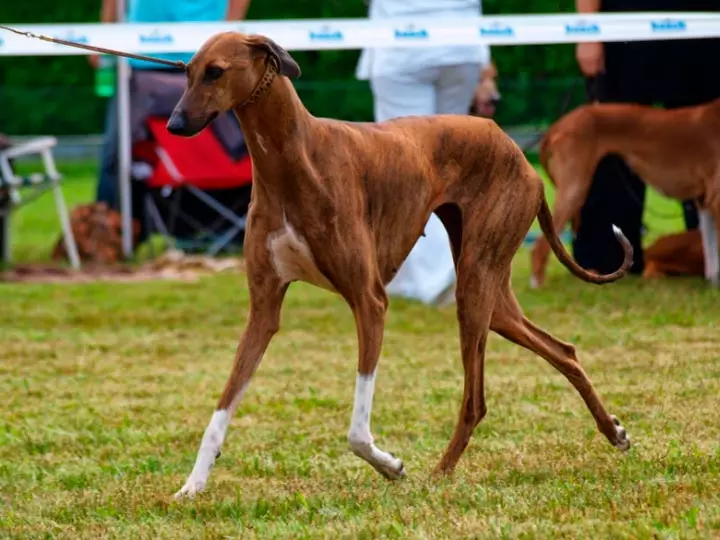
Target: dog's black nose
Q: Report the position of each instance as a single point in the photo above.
(178, 123)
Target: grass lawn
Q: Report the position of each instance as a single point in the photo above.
(107, 388)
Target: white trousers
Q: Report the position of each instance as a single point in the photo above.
(429, 270)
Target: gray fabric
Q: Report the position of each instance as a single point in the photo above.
(154, 93)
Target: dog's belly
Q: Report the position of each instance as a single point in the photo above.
(669, 179)
(293, 260)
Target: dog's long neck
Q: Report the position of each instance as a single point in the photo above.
(272, 124)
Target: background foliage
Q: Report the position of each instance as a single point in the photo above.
(56, 94)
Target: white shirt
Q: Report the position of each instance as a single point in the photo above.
(391, 61)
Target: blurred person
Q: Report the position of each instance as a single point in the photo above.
(152, 11)
(424, 81)
(673, 73)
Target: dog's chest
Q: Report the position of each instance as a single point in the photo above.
(292, 258)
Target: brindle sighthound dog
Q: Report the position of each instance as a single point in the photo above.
(340, 205)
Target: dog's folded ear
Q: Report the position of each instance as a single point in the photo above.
(286, 65)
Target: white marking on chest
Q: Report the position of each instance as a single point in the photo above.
(292, 258)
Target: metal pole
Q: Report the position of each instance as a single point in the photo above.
(124, 143)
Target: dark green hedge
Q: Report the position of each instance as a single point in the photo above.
(56, 94)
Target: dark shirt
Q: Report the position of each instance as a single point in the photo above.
(660, 5)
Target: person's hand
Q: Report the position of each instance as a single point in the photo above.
(591, 58)
(94, 61)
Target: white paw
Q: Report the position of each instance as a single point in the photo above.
(534, 282)
(393, 469)
(622, 440)
(385, 463)
(191, 488)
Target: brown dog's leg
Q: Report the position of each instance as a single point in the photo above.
(509, 321)
(571, 171)
(369, 308)
(709, 231)
(266, 297)
(475, 297)
(567, 204)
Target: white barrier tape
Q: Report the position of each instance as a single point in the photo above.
(362, 33)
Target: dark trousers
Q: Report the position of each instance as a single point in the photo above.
(668, 73)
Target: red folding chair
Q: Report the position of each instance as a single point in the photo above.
(198, 166)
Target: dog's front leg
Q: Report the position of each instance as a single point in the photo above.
(263, 322)
(370, 320)
(709, 234)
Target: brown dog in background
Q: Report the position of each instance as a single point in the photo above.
(677, 152)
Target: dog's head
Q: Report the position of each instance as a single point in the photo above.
(487, 96)
(223, 74)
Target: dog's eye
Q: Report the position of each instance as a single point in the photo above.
(213, 73)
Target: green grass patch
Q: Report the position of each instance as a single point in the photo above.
(107, 388)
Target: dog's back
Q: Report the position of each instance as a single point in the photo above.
(399, 171)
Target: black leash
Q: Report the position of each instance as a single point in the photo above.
(176, 63)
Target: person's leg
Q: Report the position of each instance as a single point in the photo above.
(107, 187)
(617, 195)
(455, 88)
(691, 81)
(428, 269)
(406, 94)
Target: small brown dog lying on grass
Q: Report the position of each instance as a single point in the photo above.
(678, 254)
(677, 152)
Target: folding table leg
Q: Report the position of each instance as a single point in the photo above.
(51, 171)
(69, 237)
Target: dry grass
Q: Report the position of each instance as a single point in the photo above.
(107, 388)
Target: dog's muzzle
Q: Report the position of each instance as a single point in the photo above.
(181, 124)
(178, 123)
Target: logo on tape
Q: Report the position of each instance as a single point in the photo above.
(582, 28)
(410, 32)
(326, 33)
(668, 25)
(74, 38)
(156, 37)
(497, 29)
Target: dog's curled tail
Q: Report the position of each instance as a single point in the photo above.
(548, 229)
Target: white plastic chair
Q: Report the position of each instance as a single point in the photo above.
(11, 184)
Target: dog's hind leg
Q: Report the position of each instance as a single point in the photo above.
(508, 321)
(475, 298)
(369, 308)
(266, 297)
